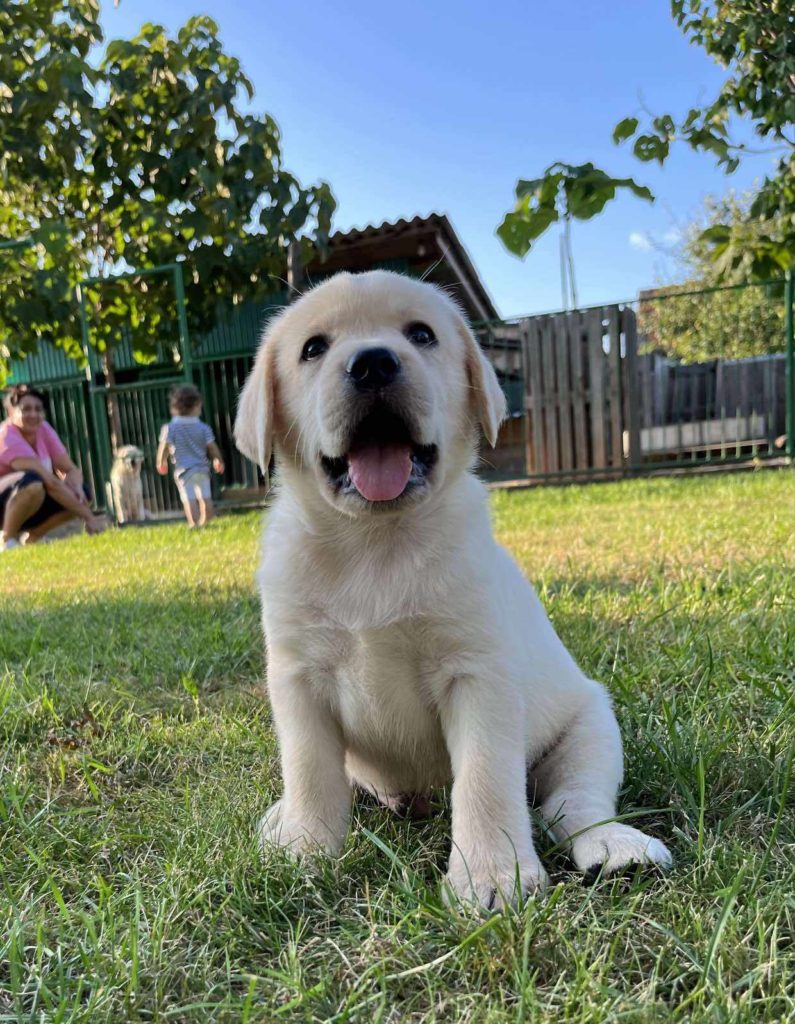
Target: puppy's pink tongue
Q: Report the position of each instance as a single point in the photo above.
(380, 472)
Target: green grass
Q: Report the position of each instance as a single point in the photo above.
(136, 754)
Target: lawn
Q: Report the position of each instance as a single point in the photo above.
(136, 754)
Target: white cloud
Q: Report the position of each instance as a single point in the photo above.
(640, 241)
(672, 236)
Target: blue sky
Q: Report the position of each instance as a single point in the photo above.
(440, 106)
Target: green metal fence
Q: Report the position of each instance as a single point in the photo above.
(70, 413)
(220, 380)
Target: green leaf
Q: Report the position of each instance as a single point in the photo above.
(584, 199)
(519, 230)
(641, 191)
(651, 147)
(716, 233)
(528, 188)
(625, 129)
(705, 138)
(664, 125)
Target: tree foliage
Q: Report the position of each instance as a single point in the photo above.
(753, 40)
(146, 157)
(731, 323)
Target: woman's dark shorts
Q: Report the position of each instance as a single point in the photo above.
(14, 482)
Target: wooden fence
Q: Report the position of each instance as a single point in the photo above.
(594, 406)
(579, 368)
(713, 404)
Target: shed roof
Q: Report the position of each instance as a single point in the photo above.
(423, 246)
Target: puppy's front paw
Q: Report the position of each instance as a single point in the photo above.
(614, 848)
(300, 834)
(492, 882)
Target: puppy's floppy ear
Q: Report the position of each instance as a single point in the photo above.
(254, 420)
(487, 395)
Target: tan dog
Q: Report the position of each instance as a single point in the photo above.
(405, 647)
(125, 483)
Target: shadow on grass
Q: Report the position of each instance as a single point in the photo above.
(142, 645)
(159, 639)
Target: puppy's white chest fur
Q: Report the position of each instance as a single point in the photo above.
(386, 697)
(376, 627)
(382, 686)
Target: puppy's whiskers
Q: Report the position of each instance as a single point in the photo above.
(426, 274)
(290, 429)
(291, 288)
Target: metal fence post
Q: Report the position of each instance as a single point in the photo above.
(99, 410)
(789, 299)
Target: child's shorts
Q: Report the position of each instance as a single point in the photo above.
(193, 486)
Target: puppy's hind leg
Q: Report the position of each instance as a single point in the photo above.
(577, 782)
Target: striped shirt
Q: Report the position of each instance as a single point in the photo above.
(187, 438)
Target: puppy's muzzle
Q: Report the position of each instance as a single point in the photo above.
(373, 369)
(383, 456)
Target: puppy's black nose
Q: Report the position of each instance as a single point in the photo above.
(373, 368)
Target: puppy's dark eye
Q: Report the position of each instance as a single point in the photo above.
(314, 348)
(421, 334)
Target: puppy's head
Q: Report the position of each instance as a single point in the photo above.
(370, 387)
(129, 459)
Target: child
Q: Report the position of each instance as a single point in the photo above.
(189, 442)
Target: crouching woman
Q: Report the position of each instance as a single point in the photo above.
(40, 486)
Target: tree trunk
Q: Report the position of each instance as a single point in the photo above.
(114, 418)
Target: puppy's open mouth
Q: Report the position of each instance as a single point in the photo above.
(383, 462)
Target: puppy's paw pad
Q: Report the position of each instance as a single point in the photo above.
(617, 849)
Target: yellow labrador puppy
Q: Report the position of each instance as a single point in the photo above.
(405, 647)
(125, 485)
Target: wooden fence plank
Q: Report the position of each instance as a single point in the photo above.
(745, 390)
(645, 368)
(664, 383)
(695, 383)
(768, 403)
(596, 388)
(550, 397)
(561, 345)
(650, 413)
(579, 389)
(527, 330)
(616, 418)
(632, 386)
(536, 408)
